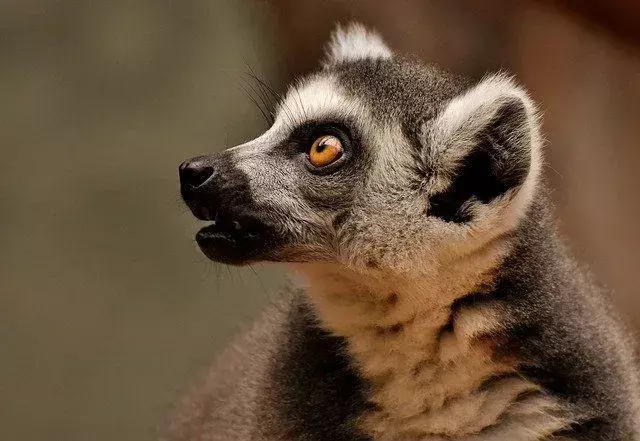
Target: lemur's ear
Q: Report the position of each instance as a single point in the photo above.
(483, 147)
(354, 42)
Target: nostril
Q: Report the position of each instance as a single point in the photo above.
(200, 176)
(195, 174)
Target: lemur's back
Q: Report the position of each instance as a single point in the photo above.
(438, 302)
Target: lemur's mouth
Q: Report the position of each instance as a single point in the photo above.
(235, 239)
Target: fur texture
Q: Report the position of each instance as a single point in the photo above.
(435, 300)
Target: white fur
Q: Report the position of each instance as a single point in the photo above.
(355, 42)
(317, 97)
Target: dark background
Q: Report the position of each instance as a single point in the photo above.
(107, 308)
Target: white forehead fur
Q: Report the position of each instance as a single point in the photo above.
(454, 131)
(355, 42)
(319, 96)
(315, 98)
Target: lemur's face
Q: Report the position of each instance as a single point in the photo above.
(374, 162)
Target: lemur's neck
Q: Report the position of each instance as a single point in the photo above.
(425, 345)
(389, 319)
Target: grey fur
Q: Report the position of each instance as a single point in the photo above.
(436, 227)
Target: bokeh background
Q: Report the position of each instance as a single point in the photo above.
(107, 308)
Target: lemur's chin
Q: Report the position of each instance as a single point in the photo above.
(218, 246)
(239, 241)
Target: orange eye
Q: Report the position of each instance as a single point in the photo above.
(325, 150)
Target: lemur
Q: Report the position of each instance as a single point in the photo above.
(435, 300)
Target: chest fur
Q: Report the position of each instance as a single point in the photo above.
(432, 368)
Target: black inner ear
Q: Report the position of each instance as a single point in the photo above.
(498, 162)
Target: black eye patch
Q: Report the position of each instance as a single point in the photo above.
(305, 134)
(302, 137)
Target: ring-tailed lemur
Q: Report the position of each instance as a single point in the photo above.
(437, 301)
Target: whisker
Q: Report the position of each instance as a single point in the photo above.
(255, 102)
(266, 106)
(554, 170)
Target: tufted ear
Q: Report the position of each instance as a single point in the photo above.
(484, 147)
(354, 42)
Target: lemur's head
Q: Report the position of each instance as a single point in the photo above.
(374, 162)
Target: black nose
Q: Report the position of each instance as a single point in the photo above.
(195, 172)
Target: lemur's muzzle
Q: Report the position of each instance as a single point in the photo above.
(215, 190)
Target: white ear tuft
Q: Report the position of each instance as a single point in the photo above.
(469, 112)
(355, 42)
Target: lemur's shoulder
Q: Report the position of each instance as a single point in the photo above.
(283, 378)
(223, 403)
(566, 333)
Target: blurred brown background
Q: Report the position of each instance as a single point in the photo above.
(107, 309)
